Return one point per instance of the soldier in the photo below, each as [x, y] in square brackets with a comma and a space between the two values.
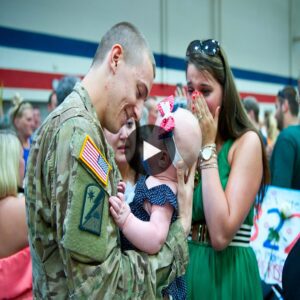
[71, 174]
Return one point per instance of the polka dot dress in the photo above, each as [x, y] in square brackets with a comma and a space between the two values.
[157, 195]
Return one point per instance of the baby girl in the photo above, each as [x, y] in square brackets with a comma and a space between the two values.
[145, 221]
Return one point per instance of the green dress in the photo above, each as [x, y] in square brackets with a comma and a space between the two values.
[228, 274]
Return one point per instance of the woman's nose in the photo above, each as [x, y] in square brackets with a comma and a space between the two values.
[123, 132]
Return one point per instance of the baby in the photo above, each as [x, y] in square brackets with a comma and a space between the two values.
[145, 222]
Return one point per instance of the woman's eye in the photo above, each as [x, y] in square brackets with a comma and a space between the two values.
[205, 92]
[129, 124]
[190, 91]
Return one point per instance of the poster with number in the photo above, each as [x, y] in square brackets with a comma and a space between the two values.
[276, 230]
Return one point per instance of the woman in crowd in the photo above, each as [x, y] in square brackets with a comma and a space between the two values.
[15, 261]
[232, 171]
[22, 120]
[127, 156]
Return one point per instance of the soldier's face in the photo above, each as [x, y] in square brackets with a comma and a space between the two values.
[128, 90]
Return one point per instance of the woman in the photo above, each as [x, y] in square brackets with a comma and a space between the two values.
[232, 171]
[22, 120]
[126, 155]
[15, 261]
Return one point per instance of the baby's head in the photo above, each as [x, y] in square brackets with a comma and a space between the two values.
[187, 136]
[186, 132]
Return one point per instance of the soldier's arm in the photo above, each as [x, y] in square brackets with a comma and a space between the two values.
[88, 238]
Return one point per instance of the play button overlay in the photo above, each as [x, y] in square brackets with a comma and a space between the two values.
[150, 150]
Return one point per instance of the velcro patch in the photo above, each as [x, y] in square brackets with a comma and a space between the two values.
[92, 157]
[91, 214]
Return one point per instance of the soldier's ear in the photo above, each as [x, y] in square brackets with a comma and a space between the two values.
[116, 55]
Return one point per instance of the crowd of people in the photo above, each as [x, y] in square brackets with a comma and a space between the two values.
[91, 224]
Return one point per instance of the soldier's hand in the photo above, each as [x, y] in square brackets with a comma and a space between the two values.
[119, 209]
[185, 195]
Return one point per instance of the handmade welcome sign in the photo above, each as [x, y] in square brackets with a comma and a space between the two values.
[276, 230]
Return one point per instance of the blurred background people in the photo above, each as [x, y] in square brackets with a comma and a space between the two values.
[151, 105]
[22, 121]
[285, 159]
[180, 96]
[144, 118]
[52, 101]
[252, 108]
[272, 132]
[36, 118]
[15, 261]
[65, 87]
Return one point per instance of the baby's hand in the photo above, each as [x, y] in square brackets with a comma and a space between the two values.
[119, 209]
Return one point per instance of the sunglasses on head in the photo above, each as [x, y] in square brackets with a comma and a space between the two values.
[208, 47]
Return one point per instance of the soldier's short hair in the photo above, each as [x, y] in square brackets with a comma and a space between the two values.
[290, 94]
[10, 153]
[132, 41]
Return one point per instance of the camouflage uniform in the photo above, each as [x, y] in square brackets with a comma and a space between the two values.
[72, 259]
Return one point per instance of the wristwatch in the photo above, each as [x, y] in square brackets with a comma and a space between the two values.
[207, 152]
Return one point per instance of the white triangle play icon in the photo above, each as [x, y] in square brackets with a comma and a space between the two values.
[149, 150]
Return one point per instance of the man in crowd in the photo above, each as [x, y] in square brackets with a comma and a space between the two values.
[71, 174]
[285, 160]
[252, 108]
[52, 101]
[36, 118]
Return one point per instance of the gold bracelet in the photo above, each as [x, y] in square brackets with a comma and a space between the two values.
[213, 160]
[209, 166]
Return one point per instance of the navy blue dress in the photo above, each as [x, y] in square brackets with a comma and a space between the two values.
[157, 195]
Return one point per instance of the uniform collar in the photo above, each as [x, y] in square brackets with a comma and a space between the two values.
[86, 100]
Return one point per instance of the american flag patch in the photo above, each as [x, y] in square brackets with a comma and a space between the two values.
[92, 157]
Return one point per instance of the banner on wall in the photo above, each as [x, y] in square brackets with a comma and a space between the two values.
[275, 231]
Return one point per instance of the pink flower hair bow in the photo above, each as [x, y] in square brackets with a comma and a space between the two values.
[165, 108]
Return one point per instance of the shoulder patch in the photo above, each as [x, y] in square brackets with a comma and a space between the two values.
[92, 157]
[91, 214]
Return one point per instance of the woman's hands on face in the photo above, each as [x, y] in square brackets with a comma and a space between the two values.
[208, 123]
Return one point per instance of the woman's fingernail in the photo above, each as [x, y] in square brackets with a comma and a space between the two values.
[195, 94]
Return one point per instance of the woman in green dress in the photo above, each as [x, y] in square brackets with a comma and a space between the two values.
[232, 171]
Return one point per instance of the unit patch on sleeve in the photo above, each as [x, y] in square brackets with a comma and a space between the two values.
[92, 157]
[91, 213]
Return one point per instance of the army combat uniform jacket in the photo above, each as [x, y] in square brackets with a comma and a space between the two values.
[74, 241]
